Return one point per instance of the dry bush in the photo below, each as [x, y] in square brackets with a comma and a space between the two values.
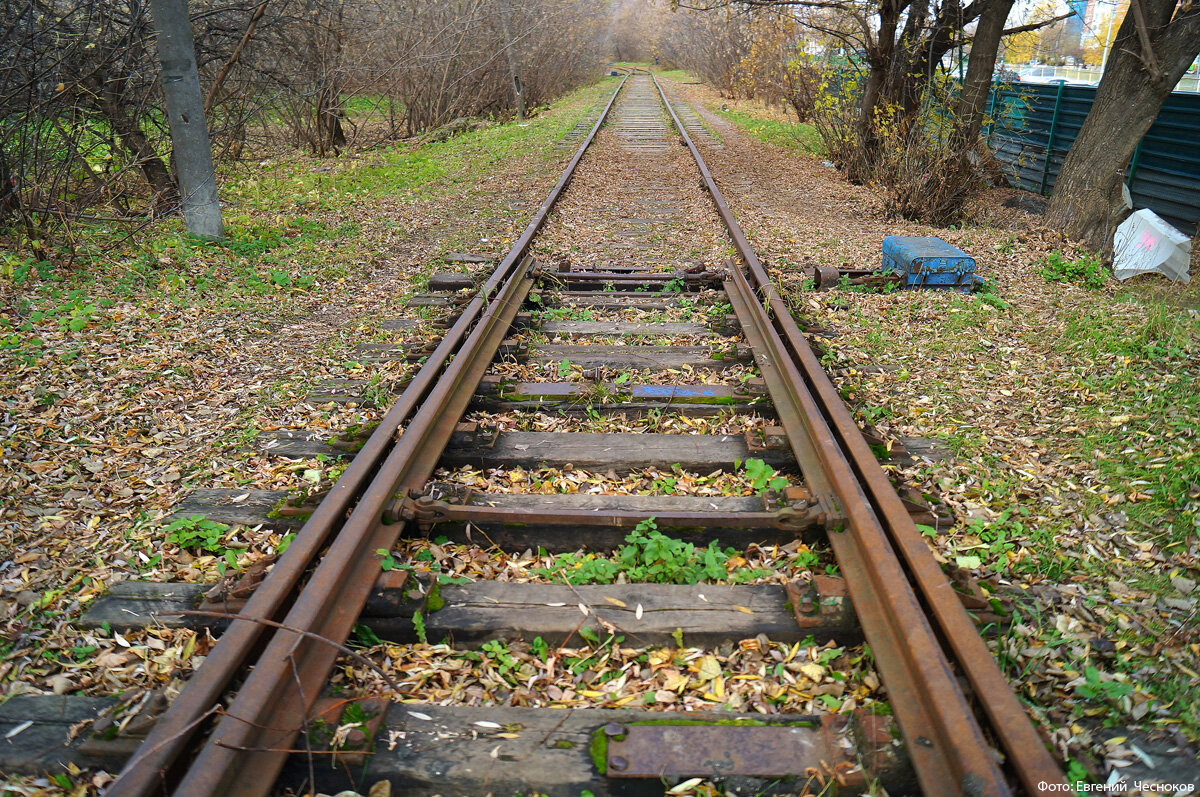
[709, 45]
[457, 63]
[892, 127]
[776, 68]
[82, 128]
[925, 177]
[79, 132]
[921, 169]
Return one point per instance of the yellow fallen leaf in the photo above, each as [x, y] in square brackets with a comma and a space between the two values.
[677, 683]
[813, 672]
[615, 602]
[708, 668]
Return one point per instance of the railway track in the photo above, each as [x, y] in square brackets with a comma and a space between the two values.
[567, 338]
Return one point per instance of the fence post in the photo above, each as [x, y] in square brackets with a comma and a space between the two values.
[1133, 163]
[991, 112]
[1050, 139]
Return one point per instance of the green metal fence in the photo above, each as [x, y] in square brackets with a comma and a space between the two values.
[1035, 124]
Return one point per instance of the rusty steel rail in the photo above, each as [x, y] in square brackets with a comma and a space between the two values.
[250, 743]
[380, 469]
[895, 597]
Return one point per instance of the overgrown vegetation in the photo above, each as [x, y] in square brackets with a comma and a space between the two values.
[648, 555]
[291, 230]
[888, 110]
[1093, 497]
[914, 159]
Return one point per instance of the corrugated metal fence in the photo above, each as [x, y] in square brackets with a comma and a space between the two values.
[1164, 175]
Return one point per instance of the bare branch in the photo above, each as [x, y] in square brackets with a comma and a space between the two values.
[1037, 25]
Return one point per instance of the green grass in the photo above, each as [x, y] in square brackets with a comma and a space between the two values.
[1143, 429]
[649, 556]
[676, 74]
[1136, 385]
[1085, 269]
[795, 136]
[407, 173]
[1126, 370]
[369, 105]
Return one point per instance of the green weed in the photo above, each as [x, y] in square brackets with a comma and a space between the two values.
[762, 477]
[648, 555]
[1086, 269]
[197, 532]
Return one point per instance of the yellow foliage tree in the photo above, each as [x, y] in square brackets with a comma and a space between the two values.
[1021, 48]
[1099, 38]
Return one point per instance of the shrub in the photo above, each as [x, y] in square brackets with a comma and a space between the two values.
[916, 163]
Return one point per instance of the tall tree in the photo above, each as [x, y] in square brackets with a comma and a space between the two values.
[901, 42]
[977, 83]
[1156, 43]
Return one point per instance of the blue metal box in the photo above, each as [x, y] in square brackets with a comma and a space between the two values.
[929, 263]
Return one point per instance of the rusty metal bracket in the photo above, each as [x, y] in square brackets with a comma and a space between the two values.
[820, 602]
[424, 510]
[828, 512]
[467, 434]
[232, 592]
[768, 438]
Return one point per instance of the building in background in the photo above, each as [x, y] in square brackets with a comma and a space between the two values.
[1074, 27]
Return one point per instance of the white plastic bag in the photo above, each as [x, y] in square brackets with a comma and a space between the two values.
[1144, 243]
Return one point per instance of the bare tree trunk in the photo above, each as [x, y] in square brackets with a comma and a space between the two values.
[1145, 63]
[329, 117]
[978, 81]
[10, 200]
[107, 100]
[868, 142]
[513, 74]
[185, 114]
